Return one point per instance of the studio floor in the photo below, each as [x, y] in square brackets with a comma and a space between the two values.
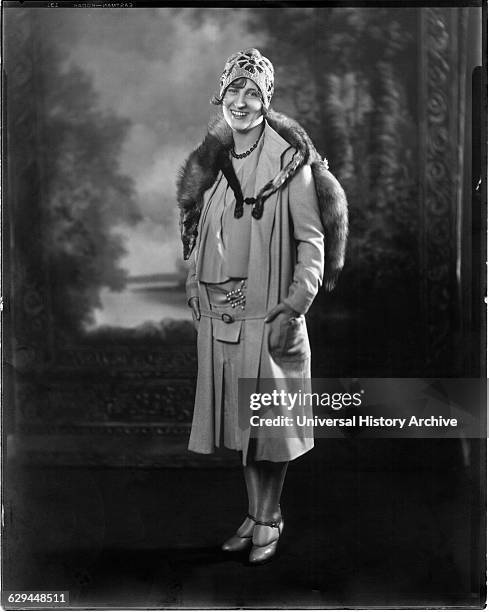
[403, 534]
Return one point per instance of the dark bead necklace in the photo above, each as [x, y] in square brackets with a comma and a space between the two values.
[248, 152]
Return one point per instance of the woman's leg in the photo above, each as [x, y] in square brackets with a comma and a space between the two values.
[271, 480]
[242, 538]
[252, 480]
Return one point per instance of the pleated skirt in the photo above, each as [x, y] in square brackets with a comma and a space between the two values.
[217, 420]
[227, 357]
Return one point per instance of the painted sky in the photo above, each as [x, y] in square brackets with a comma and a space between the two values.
[158, 67]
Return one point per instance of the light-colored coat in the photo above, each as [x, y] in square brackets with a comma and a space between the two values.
[286, 265]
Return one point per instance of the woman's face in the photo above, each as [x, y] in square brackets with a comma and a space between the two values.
[242, 106]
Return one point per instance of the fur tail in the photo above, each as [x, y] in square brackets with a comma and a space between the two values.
[334, 215]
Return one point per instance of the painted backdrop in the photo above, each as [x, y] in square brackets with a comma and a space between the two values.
[102, 106]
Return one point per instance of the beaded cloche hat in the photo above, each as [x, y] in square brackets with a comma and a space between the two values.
[251, 64]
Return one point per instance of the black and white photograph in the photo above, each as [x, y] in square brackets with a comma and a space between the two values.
[244, 305]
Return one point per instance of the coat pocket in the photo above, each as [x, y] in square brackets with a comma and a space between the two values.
[293, 342]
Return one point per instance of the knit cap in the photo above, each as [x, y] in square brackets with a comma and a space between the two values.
[251, 64]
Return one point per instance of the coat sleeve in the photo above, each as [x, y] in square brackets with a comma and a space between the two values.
[191, 284]
[309, 239]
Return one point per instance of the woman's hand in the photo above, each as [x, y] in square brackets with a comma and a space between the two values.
[195, 306]
[279, 317]
[282, 309]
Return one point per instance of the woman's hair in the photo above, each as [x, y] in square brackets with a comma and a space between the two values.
[239, 84]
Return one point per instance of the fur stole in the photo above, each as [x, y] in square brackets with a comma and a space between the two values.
[203, 165]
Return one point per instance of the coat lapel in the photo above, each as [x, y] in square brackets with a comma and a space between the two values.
[274, 146]
[271, 158]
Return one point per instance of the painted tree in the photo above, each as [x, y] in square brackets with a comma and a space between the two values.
[347, 74]
[86, 194]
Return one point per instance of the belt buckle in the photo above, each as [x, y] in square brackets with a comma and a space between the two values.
[227, 318]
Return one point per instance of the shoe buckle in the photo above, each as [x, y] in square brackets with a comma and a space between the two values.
[272, 523]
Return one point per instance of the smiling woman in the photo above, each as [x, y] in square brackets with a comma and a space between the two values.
[242, 106]
[254, 272]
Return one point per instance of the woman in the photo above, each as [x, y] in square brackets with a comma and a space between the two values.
[263, 223]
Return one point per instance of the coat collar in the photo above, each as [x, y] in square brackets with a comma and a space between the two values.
[271, 160]
[274, 146]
